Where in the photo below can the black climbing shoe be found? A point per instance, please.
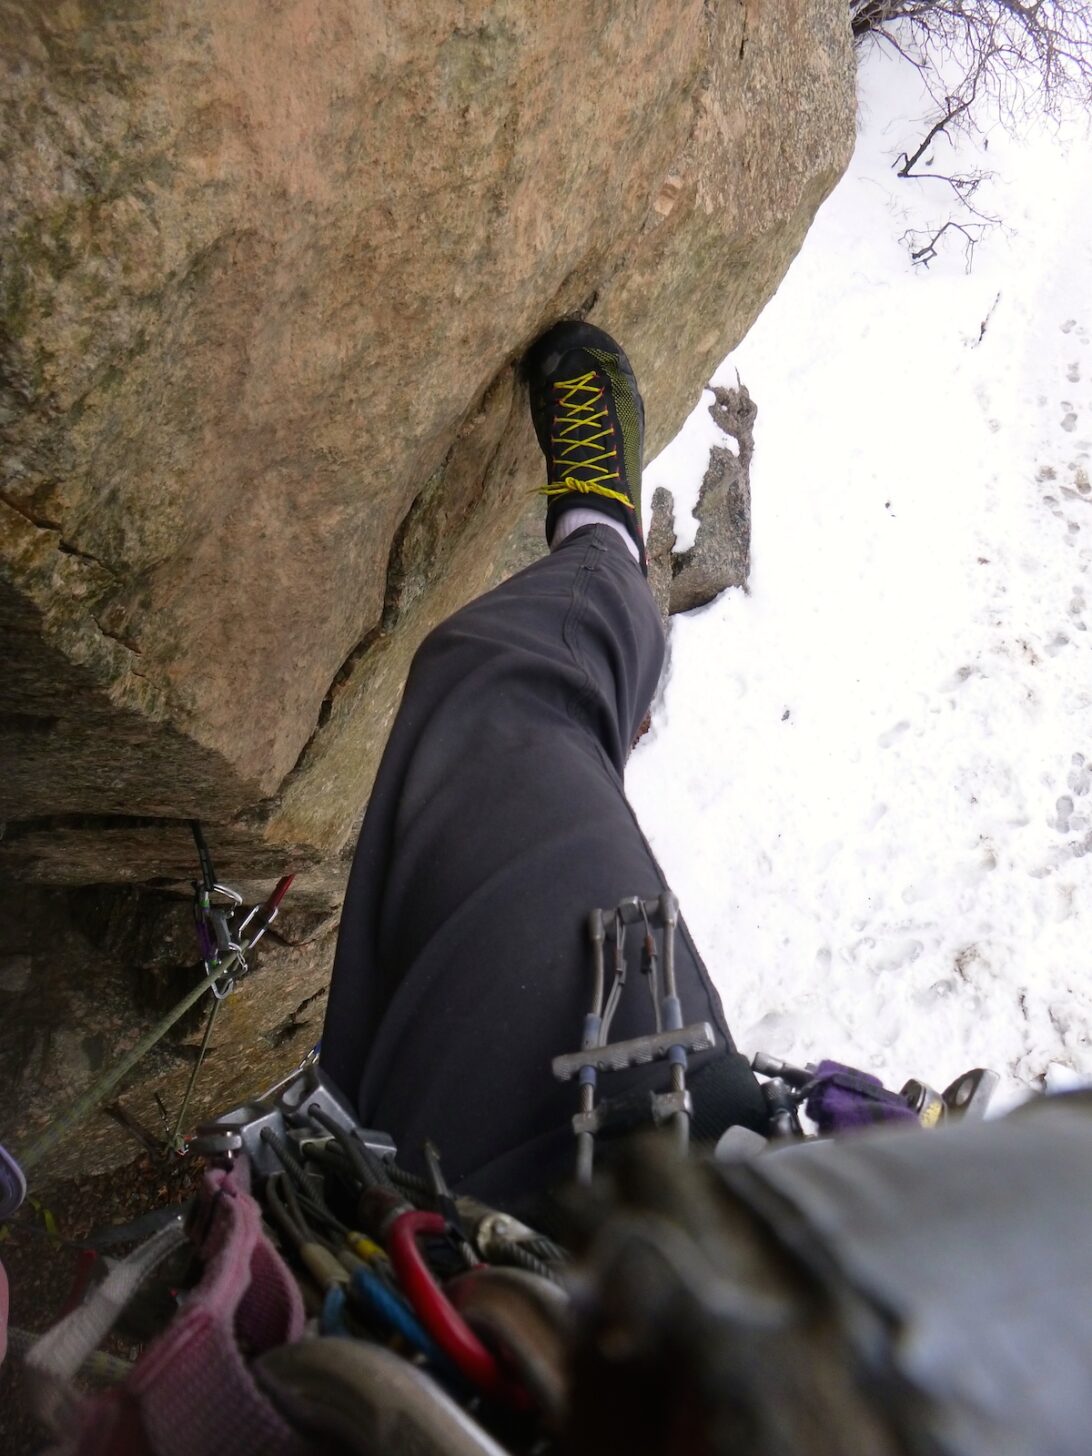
(590, 422)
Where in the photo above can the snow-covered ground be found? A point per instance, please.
(870, 777)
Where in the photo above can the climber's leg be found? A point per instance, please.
(498, 820)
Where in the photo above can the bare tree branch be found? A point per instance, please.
(1014, 54)
(984, 325)
(955, 110)
(923, 245)
(980, 57)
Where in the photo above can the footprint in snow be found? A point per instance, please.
(1079, 780)
(885, 740)
(959, 677)
(1070, 817)
(892, 955)
(874, 815)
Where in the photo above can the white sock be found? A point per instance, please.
(577, 516)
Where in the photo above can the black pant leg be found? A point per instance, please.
(498, 820)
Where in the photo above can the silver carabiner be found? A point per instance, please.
(233, 948)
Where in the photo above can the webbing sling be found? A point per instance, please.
(192, 1389)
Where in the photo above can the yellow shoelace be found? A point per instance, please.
(580, 427)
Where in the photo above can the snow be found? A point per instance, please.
(869, 778)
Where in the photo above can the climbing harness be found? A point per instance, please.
(322, 1293)
(306, 1234)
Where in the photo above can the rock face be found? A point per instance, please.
(266, 272)
(84, 973)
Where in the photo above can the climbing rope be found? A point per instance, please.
(224, 954)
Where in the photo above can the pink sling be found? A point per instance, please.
(191, 1390)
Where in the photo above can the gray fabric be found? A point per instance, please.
(963, 1261)
(351, 1396)
(498, 820)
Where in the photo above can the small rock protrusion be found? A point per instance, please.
(721, 554)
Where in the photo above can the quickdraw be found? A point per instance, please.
(377, 1245)
(224, 953)
(214, 905)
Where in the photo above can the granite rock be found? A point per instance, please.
(266, 274)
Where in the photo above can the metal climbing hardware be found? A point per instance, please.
(224, 947)
(224, 953)
(294, 1114)
(671, 1042)
(13, 1184)
(838, 1099)
(386, 1254)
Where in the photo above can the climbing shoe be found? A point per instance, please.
(590, 421)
